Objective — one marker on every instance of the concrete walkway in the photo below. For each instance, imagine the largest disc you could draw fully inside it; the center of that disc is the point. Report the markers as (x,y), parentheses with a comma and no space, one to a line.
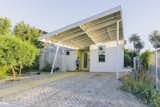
(72,90)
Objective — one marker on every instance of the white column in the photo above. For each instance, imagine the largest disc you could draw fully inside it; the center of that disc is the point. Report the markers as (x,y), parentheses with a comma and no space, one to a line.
(54,60)
(117,43)
(156,72)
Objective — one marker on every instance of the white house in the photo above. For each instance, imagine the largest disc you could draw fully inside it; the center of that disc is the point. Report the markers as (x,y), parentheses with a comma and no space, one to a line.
(98,41)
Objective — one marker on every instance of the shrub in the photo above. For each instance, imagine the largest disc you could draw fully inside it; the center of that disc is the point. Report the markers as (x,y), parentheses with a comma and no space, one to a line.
(156,100)
(3,72)
(141,89)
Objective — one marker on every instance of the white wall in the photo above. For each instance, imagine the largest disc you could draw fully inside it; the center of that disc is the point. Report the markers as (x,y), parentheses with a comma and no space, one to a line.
(113,61)
(68,61)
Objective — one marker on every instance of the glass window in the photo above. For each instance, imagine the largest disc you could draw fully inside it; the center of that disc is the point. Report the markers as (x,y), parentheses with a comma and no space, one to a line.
(101,58)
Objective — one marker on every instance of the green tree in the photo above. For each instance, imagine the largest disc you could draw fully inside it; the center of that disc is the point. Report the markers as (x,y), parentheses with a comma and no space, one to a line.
(137,44)
(155,39)
(28,33)
(15,52)
(5,26)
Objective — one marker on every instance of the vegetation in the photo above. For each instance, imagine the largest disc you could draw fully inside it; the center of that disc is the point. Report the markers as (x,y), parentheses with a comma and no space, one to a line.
(140,81)
(28,33)
(14,52)
(3,72)
(128,57)
(155,39)
(137,43)
(142,90)
(5,26)
(17,54)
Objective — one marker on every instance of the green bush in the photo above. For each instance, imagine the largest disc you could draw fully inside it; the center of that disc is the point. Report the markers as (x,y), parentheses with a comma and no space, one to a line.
(156,100)
(3,72)
(142,89)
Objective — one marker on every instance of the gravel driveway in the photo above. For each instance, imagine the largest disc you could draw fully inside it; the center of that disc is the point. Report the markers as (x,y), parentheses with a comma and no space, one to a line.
(82,90)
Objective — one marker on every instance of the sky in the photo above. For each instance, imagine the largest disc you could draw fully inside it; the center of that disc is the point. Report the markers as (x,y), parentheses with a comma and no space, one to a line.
(139,16)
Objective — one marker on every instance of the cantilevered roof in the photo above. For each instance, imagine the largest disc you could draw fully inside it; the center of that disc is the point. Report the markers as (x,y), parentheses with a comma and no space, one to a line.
(99,28)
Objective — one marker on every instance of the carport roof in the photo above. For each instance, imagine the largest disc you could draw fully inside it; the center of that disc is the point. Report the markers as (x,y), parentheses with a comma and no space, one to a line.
(99,28)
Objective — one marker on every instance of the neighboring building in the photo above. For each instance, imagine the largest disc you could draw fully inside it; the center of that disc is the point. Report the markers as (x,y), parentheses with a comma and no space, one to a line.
(98,41)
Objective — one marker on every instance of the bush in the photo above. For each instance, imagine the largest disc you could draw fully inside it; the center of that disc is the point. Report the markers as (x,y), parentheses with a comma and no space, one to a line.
(142,90)
(3,72)
(156,100)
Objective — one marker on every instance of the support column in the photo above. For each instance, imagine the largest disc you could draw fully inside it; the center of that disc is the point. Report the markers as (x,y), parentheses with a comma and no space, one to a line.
(54,60)
(117,43)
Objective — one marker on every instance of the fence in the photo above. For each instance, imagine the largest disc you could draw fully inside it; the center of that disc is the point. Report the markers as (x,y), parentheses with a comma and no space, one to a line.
(154,68)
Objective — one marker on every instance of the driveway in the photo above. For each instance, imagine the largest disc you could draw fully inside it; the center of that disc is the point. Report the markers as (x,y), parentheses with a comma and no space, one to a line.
(80,90)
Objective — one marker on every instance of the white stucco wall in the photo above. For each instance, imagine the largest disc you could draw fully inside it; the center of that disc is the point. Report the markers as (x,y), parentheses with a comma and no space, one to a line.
(113,61)
(68,61)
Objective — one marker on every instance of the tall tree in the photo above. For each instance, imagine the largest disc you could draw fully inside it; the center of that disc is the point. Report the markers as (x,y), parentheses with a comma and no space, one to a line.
(134,39)
(5,26)
(28,33)
(155,39)
(137,43)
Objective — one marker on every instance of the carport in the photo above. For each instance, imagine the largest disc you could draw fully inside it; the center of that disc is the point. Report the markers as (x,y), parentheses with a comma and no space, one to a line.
(105,27)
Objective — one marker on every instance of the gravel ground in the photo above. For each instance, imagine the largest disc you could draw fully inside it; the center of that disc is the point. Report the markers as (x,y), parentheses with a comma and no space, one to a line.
(83,90)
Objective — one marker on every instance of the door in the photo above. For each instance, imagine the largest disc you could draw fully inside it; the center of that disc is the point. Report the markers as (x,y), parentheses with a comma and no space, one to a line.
(85,61)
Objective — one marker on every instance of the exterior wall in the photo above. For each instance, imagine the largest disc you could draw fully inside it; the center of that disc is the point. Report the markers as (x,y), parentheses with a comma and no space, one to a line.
(113,61)
(68,61)
(47,56)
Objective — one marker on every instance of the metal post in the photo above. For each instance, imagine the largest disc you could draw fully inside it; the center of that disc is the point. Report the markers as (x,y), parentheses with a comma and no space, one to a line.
(117,43)
(156,73)
(54,60)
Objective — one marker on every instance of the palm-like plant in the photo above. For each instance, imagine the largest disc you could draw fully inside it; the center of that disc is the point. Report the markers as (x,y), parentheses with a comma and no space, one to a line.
(137,44)
(155,39)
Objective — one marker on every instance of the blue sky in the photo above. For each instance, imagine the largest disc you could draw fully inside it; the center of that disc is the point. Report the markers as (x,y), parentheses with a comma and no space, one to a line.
(139,16)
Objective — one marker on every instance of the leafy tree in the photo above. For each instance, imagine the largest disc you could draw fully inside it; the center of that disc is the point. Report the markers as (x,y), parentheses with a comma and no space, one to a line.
(155,39)
(134,39)
(5,26)
(15,52)
(28,33)
(137,44)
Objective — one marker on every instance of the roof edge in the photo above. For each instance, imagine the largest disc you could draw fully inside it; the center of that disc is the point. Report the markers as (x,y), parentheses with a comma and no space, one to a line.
(83,21)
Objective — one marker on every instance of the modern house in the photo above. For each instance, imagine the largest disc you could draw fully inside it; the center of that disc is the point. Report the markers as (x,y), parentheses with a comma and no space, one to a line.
(98,41)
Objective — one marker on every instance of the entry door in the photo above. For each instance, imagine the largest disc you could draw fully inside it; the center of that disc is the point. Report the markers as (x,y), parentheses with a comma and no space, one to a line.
(85,61)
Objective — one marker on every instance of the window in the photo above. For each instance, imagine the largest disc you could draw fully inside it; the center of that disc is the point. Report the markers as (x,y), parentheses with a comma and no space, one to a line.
(101,53)
(101,58)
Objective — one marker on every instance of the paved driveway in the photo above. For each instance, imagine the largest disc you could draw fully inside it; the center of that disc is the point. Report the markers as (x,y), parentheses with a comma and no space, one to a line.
(81,90)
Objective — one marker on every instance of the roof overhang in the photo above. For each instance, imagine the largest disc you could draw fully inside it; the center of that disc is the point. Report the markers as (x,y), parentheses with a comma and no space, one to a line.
(96,29)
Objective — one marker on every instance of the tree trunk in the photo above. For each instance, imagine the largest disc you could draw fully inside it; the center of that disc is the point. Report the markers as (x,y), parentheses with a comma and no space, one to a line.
(13,73)
(20,69)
